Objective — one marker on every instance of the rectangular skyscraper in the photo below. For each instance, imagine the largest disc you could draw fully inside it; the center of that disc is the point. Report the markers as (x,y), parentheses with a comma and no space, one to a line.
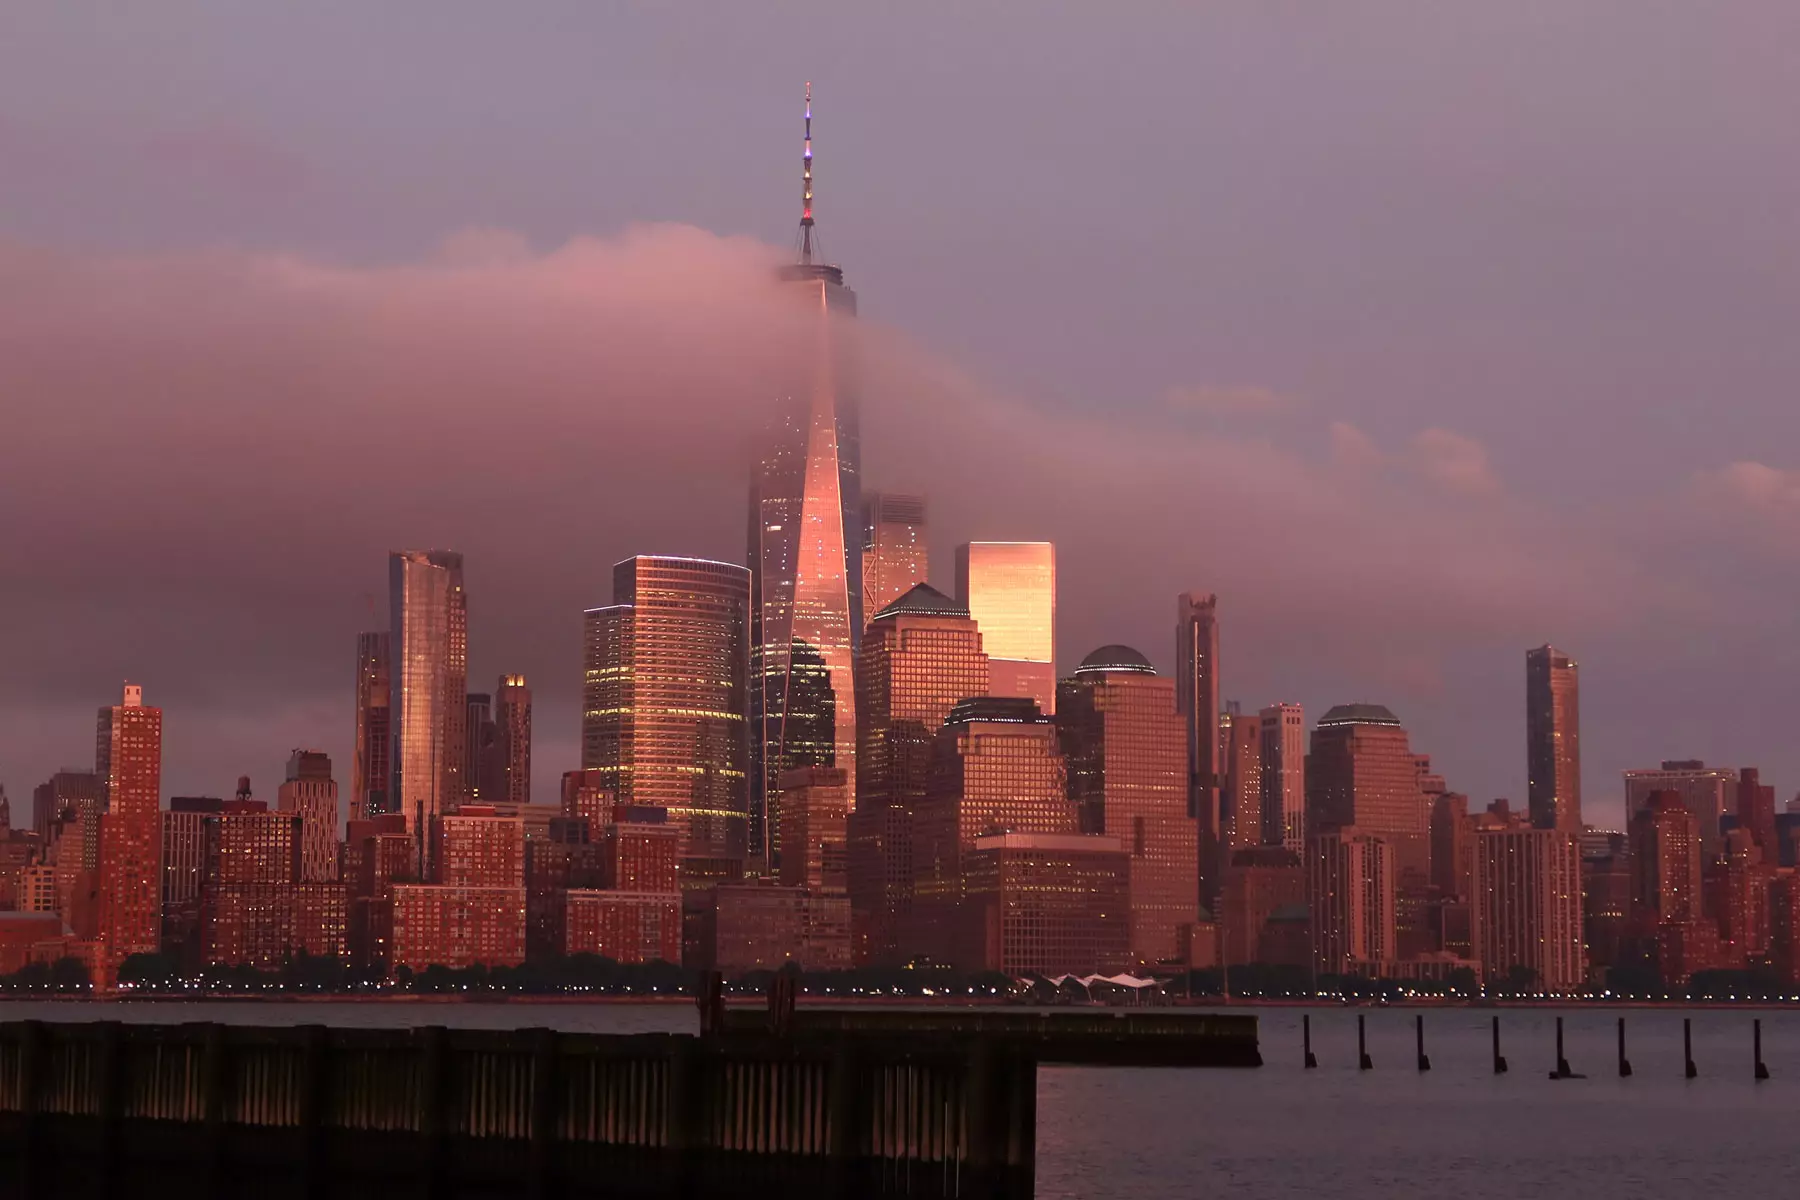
(512,758)
(312,794)
(663,703)
(1527,907)
(1009,589)
(372,768)
(428,682)
(128,761)
(894,548)
(1197,698)
(1553,739)
(1283,751)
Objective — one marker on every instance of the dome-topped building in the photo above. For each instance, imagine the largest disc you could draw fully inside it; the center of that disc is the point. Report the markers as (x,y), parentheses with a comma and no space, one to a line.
(1359,714)
(1115,657)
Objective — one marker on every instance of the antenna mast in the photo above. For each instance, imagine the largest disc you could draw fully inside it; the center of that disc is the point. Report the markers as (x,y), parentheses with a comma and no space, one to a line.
(806,217)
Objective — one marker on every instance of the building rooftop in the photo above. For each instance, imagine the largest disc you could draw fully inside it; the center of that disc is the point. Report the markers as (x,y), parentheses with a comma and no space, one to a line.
(1358,714)
(1017,710)
(1115,657)
(923,600)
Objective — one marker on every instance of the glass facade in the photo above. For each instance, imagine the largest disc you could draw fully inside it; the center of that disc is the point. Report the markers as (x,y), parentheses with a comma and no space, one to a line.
(428,684)
(371,766)
(1553,737)
(1010,590)
(1126,748)
(1197,699)
(805,559)
(894,547)
(663,720)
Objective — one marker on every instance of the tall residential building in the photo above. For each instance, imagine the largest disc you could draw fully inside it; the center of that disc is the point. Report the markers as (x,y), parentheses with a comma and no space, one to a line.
(804,553)
(1283,757)
(1527,907)
(995,768)
(312,794)
(1665,864)
(1197,700)
(67,791)
(920,657)
(1553,739)
(894,547)
(1010,591)
(371,772)
(1361,773)
(1756,814)
(1240,792)
(1350,896)
(128,762)
(663,703)
(1707,792)
(512,753)
(479,736)
(1126,749)
(428,682)
(184,863)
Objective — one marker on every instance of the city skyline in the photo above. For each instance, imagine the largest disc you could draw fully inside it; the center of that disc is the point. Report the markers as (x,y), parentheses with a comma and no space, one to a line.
(1333,423)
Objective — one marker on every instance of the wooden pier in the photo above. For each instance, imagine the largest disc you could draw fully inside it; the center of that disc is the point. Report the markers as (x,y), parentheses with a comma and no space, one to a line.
(829,1107)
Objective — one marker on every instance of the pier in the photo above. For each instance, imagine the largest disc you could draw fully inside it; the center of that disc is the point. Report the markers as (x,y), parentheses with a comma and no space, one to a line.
(828,1103)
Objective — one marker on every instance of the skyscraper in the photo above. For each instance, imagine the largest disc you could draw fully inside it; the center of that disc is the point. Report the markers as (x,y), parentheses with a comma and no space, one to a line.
(428,683)
(663,703)
(894,547)
(1553,739)
(920,657)
(1126,748)
(1361,773)
(1283,751)
(1240,791)
(1197,699)
(1527,907)
(1350,895)
(1707,792)
(372,767)
(512,752)
(1010,590)
(128,762)
(804,554)
(1665,864)
(479,736)
(310,793)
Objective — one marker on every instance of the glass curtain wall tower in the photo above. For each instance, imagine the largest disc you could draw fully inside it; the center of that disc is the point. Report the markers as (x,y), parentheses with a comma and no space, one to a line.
(805,548)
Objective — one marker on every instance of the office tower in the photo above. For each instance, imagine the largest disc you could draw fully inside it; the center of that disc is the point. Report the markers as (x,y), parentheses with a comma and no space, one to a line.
(1260,881)
(511,761)
(1350,896)
(1738,897)
(1756,814)
(588,796)
(1362,773)
(815,808)
(128,762)
(479,739)
(64,792)
(1605,897)
(1284,781)
(920,657)
(427,684)
(1126,749)
(804,553)
(737,928)
(1707,792)
(1452,852)
(1553,739)
(184,873)
(312,794)
(1240,792)
(1047,904)
(663,719)
(1665,862)
(1197,699)
(995,768)
(893,549)
(473,911)
(1527,908)
(1009,589)
(252,863)
(372,766)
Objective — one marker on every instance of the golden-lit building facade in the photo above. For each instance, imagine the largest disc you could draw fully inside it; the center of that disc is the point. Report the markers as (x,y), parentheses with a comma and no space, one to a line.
(1350,901)
(1046,904)
(1362,773)
(996,767)
(663,702)
(894,550)
(1553,739)
(1010,591)
(920,657)
(1240,793)
(1526,909)
(1126,749)
(428,681)
(128,763)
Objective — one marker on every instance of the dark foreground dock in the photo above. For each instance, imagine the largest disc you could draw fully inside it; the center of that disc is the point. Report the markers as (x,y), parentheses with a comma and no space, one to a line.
(831,1104)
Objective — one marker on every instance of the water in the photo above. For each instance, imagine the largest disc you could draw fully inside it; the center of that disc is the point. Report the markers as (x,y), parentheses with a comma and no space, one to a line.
(1282,1131)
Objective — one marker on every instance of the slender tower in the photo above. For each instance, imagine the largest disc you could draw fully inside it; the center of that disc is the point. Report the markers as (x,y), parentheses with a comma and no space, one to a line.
(1197,699)
(806,569)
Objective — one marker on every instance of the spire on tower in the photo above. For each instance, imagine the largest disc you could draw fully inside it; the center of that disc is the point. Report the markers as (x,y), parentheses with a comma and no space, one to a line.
(806,217)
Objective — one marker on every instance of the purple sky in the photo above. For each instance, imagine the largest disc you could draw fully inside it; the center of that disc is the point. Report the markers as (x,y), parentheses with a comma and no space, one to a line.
(1422,334)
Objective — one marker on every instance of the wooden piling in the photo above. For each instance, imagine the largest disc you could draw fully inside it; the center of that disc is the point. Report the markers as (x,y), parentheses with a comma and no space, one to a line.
(1687,1046)
(1363,1061)
(1562,1063)
(1499,1058)
(1419,1028)
(1310,1060)
(1624,1063)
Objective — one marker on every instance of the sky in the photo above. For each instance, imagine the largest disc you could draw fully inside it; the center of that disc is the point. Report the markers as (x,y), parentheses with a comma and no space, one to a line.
(1421,334)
